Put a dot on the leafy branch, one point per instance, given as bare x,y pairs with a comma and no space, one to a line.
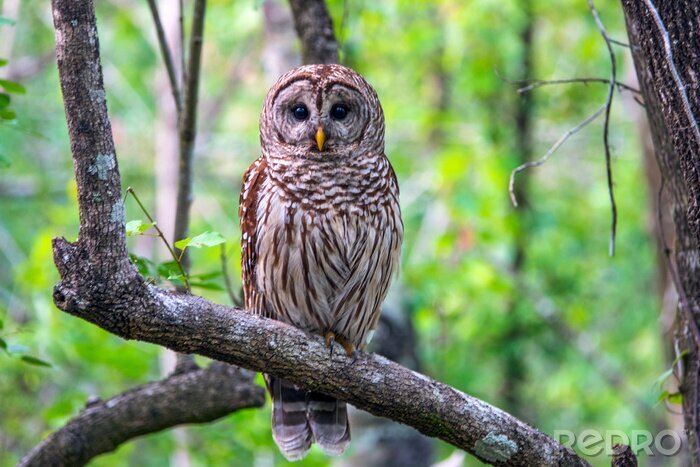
204,240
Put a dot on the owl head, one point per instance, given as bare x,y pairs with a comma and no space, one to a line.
321,112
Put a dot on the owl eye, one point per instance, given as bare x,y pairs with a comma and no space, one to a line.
339,111
300,112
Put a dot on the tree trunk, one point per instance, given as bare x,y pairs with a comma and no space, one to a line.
665,44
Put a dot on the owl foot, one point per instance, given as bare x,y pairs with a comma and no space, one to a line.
331,338
349,347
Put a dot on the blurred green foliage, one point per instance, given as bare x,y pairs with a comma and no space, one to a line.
582,326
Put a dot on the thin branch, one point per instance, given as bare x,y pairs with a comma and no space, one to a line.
537,83
606,125
188,126
181,33
552,150
198,396
620,43
167,55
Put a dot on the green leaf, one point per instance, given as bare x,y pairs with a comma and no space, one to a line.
7,114
136,227
4,162
168,268
3,344
673,398
175,277
2,324
35,361
207,240
207,275
3,62
182,244
4,100
12,87
207,285
6,20
145,266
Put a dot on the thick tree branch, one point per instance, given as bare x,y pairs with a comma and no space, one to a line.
191,324
664,41
99,285
315,29
198,396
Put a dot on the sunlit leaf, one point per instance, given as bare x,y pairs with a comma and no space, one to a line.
3,62
182,244
136,227
35,361
206,240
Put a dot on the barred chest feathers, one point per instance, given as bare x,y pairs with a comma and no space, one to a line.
328,243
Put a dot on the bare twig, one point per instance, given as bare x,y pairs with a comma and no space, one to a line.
552,150
606,125
537,83
620,43
167,55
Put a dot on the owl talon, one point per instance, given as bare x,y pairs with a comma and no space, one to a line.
349,347
329,338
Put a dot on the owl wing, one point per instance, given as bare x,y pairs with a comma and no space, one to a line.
247,213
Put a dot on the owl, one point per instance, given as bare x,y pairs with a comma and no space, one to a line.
321,232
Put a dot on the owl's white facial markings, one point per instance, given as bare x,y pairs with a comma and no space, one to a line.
300,109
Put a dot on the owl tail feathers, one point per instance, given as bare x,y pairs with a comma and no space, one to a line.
290,426
300,418
328,418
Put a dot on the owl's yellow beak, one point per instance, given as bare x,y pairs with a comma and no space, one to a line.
320,138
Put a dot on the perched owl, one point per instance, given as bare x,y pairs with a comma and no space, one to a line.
321,232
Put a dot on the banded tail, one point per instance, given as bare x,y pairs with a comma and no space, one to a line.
300,418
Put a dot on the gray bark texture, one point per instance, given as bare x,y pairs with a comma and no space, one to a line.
100,285
665,42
